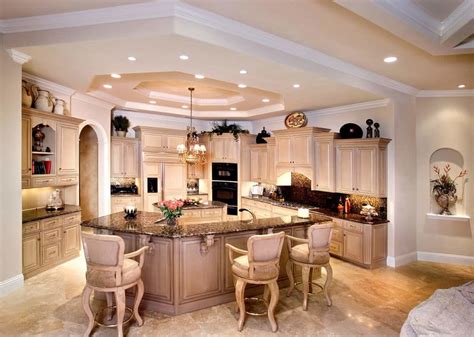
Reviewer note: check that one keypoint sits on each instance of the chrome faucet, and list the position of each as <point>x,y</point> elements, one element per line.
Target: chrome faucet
<point>254,218</point>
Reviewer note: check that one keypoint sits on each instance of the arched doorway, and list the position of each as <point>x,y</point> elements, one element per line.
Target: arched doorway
<point>89,173</point>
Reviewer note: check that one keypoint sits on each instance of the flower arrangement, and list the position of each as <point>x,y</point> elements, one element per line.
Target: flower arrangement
<point>171,209</point>
<point>225,127</point>
<point>444,187</point>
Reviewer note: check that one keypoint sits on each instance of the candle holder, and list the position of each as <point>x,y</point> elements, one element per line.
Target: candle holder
<point>130,212</point>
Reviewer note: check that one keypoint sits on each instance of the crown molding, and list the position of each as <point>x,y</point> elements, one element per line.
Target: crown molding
<point>92,100</point>
<point>446,93</point>
<point>459,17</point>
<point>45,84</point>
<point>351,107</point>
<point>18,56</point>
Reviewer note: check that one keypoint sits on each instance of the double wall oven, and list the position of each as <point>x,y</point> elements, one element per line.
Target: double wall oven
<point>225,185</point>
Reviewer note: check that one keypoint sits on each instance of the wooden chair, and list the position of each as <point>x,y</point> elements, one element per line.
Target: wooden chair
<point>308,254</point>
<point>112,271</point>
<point>260,264</point>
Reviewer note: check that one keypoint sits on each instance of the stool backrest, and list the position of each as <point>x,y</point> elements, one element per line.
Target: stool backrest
<point>103,250</point>
<point>265,248</point>
<point>319,237</point>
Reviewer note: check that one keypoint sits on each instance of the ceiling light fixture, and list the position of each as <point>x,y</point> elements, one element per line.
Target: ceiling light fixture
<point>233,109</point>
<point>115,75</point>
<point>132,58</point>
<point>461,86</point>
<point>153,102</point>
<point>390,59</point>
<point>242,86</point>
<point>265,100</point>
<point>296,85</point>
<point>184,57</point>
<point>184,106</point>
<point>199,76</point>
<point>191,152</point>
<point>243,72</point>
<point>107,86</point>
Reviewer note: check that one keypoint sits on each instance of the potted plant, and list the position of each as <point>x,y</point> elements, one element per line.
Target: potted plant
<point>224,127</point>
<point>172,210</point>
<point>444,188</point>
<point>121,125</point>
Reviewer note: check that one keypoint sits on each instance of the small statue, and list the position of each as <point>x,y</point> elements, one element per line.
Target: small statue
<point>376,131</point>
<point>260,137</point>
<point>368,210</point>
<point>369,127</point>
<point>54,202</point>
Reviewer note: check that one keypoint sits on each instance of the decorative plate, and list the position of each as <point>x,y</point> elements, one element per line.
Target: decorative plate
<point>296,120</point>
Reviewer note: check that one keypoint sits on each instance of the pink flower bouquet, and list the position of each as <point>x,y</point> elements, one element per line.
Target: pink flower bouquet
<point>171,208</point>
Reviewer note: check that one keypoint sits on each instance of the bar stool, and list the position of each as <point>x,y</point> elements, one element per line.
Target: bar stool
<point>309,254</point>
<point>260,264</point>
<point>112,271</point>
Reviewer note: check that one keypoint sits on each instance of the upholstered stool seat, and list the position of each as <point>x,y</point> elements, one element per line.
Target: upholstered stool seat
<point>301,253</point>
<point>260,264</point>
<point>131,273</point>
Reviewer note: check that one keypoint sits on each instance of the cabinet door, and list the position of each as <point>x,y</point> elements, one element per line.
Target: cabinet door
<point>25,146</point>
<point>130,159</point>
<point>152,142</point>
<point>172,142</point>
<point>196,171</point>
<point>367,171</point>
<point>324,166</point>
<point>301,150</point>
<point>31,253</point>
<point>157,271</point>
<point>254,165</point>
<point>345,170</point>
<point>231,151</point>
<point>283,150</point>
<point>71,240</point>
<point>116,159</point>
<point>353,246</point>
<point>68,154</point>
<point>174,181</point>
<point>263,165</point>
<point>218,149</point>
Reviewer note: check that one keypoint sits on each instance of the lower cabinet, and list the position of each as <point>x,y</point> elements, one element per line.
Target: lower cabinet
<point>353,246</point>
<point>49,242</point>
<point>198,216</point>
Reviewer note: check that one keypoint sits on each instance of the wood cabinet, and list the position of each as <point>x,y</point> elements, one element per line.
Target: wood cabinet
<point>259,163</point>
<point>207,215</point>
<point>361,166</point>
<point>49,242</point>
<point>124,157</point>
<point>159,139</point>
<point>224,149</point>
<point>196,171</point>
<point>324,162</point>
<point>25,146</point>
<point>264,210</point>
<point>68,149</point>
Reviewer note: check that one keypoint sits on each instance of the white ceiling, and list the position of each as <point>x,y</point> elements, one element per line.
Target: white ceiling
<point>438,9</point>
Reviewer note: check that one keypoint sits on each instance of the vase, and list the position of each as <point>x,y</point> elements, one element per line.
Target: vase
<point>26,96</point>
<point>44,101</point>
<point>445,201</point>
<point>121,133</point>
<point>59,107</point>
<point>172,221</point>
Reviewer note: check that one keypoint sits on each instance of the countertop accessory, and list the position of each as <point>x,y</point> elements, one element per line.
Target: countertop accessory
<point>369,128</point>
<point>262,135</point>
<point>350,130</point>
<point>369,211</point>
<point>376,131</point>
<point>257,190</point>
<point>130,212</point>
<point>54,202</point>
<point>171,209</point>
<point>303,213</point>
<point>296,120</point>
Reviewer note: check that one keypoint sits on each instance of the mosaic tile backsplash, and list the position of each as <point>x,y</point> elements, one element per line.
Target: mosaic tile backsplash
<point>300,191</point>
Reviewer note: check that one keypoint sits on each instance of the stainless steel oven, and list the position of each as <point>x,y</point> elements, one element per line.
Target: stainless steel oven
<point>227,192</point>
<point>224,172</point>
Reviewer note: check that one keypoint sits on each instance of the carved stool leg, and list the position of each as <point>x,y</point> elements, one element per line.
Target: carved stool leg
<point>306,281</point>
<point>289,272</point>
<point>86,304</point>
<point>275,295</point>
<point>239,296</point>
<point>311,280</point>
<point>120,301</point>
<point>266,293</point>
<point>138,299</point>
<point>110,303</point>
<point>236,307</point>
<point>327,284</point>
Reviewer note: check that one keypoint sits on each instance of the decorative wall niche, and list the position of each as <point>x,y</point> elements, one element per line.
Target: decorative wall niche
<point>454,158</point>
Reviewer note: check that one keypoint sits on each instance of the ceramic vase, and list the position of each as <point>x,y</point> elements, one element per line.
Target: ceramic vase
<point>26,96</point>
<point>445,201</point>
<point>44,102</point>
<point>59,107</point>
<point>121,133</point>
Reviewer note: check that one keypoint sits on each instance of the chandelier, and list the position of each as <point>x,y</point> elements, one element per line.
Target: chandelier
<point>192,152</point>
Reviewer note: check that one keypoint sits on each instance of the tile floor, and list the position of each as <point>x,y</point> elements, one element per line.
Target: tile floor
<point>365,302</point>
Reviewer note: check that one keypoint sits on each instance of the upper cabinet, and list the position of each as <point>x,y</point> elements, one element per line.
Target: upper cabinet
<point>259,163</point>
<point>324,162</point>
<point>159,139</point>
<point>124,157</point>
<point>225,149</point>
<point>68,149</point>
<point>361,166</point>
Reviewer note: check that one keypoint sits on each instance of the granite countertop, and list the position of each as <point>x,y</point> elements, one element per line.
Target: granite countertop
<point>208,205</point>
<point>351,217</point>
<point>41,213</point>
<point>145,224</point>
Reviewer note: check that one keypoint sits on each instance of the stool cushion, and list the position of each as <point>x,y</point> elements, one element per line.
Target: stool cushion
<point>131,273</point>
<point>241,268</point>
<point>300,253</point>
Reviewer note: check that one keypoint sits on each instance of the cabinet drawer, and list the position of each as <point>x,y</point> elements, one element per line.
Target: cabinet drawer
<point>337,234</point>
<point>72,219</point>
<point>354,226</point>
<point>71,180</point>
<point>191,214</point>
<point>50,223</point>
<point>25,182</point>
<point>50,236</point>
<point>338,222</point>
<point>51,253</point>
<point>31,227</point>
<point>335,248</point>
<point>43,181</point>
<point>211,212</point>
<point>263,205</point>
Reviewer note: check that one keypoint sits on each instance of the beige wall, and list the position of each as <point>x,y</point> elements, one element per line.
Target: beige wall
<point>88,173</point>
<point>444,123</point>
<point>10,170</point>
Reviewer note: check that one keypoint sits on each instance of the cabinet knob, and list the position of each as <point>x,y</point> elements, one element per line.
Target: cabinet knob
<point>29,169</point>
<point>353,189</point>
<point>60,169</point>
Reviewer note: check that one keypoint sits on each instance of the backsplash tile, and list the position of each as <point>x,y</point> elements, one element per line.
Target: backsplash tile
<point>122,181</point>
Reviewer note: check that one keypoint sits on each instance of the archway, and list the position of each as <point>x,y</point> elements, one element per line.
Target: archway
<point>89,173</point>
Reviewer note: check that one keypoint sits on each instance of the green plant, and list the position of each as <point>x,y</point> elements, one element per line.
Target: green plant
<point>224,127</point>
<point>444,184</point>
<point>121,123</point>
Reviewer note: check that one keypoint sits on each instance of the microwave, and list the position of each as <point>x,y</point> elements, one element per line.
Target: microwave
<point>224,172</point>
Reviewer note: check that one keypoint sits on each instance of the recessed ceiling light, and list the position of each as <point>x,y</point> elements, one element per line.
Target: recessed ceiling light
<point>390,59</point>
<point>233,109</point>
<point>107,86</point>
<point>153,102</point>
<point>184,106</point>
<point>184,57</point>
<point>115,75</point>
<point>243,71</point>
<point>296,85</point>
<point>461,86</point>
<point>265,100</point>
<point>199,76</point>
<point>132,58</point>
<point>242,86</point>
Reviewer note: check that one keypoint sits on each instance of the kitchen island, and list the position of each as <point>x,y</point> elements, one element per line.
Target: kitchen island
<point>187,267</point>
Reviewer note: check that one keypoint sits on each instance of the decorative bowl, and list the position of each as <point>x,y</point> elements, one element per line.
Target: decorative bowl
<point>351,130</point>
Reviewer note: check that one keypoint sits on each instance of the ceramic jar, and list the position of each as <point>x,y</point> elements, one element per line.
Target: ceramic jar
<point>445,201</point>
<point>59,107</point>
<point>44,101</point>
<point>26,96</point>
